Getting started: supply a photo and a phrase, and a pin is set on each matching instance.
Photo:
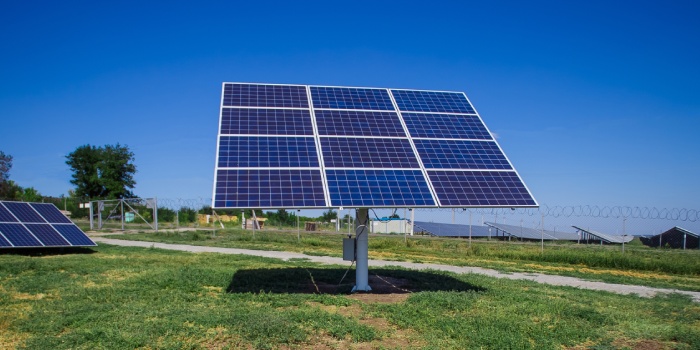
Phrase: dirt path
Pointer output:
(536, 277)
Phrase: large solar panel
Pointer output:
(301, 146)
(34, 225)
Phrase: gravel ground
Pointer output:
(536, 277)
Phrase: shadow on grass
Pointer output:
(46, 251)
(327, 281)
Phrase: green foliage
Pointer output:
(5, 166)
(102, 172)
(328, 215)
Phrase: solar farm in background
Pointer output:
(301, 146)
(38, 225)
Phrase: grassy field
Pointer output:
(638, 265)
(128, 298)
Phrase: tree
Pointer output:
(102, 172)
(8, 188)
(328, 215)
(5, 166)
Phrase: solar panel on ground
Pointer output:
(605, 237)
(368, 147)
(451, 230)
(533, 233)
(37, 225)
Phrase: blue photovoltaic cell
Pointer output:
(275, 188)
(446, 126)
(378, 188)
(50, 213)
(457, 154)
(254, 95)
(23, 212)
(351, 98)
(348, 152)
(47, 235)
(18, 235)
(4, 242)
(253, 121)
(256, 152)
(480, 188)
(358, 123)
(431, 101)
(5, 215)
(74, 235)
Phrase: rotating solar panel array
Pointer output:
(36, 225)
(301, 146)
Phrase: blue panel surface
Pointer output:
(5, 215)
(447, 126)
(4, 242)
(74, 235)
(358, 123)
(276, 188)
(50, 213)
(254, 95)
(18, 235)
(47, 235)
(253, 121)
(23, 212)
(480, 188)
(255, 151)
(351, 98)
(378, 188)
(455, 154)
(432, 101)
(450, 230)
(347, 152)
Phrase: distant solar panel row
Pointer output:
(364, 147)
(37, 225)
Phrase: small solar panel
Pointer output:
(480, 188)
(303, 146)
(259, 95)
(432, 101)
(458, 154)
(253, 121)
(358, 123)
(269, 188)
(378, 188)
(450, 126)
(351, 98)
(343, 152)
(50, 213)
(39, 225)
(254, 152)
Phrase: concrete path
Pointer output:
(536, 277)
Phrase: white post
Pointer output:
(542, 249)
(413, 216)
(92, 224)
(361, 250)
(470, 228)
(243, 225)
(121, 201)
(155, 212)
(298, 232)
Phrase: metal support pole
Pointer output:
(361, 250)
(92, 224)
(542, 232)
(155, 213)
(470, 228)
(413, 216)
(121, 202)
(298, 231)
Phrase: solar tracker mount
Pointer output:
(309, 146)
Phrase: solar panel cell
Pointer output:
(5, 215)
(475, 188)
(258, 95)
(253, 152)
(432, 101)
(74, 235)
(358, 123)
(4, 242)
(446, 126)
(18, 235)
(351, 98)
(274, 188)
(50, 213)
(367, 153)
(453, 154)
(378, 188)
(24, 212)
(253, 121)
(47, 235)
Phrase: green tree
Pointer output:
(102, 172)
(28, 194)
(328, 215)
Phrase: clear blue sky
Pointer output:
(594, 102)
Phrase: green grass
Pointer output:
(126, 298)
(638, 265)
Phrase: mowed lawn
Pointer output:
(128, 298)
